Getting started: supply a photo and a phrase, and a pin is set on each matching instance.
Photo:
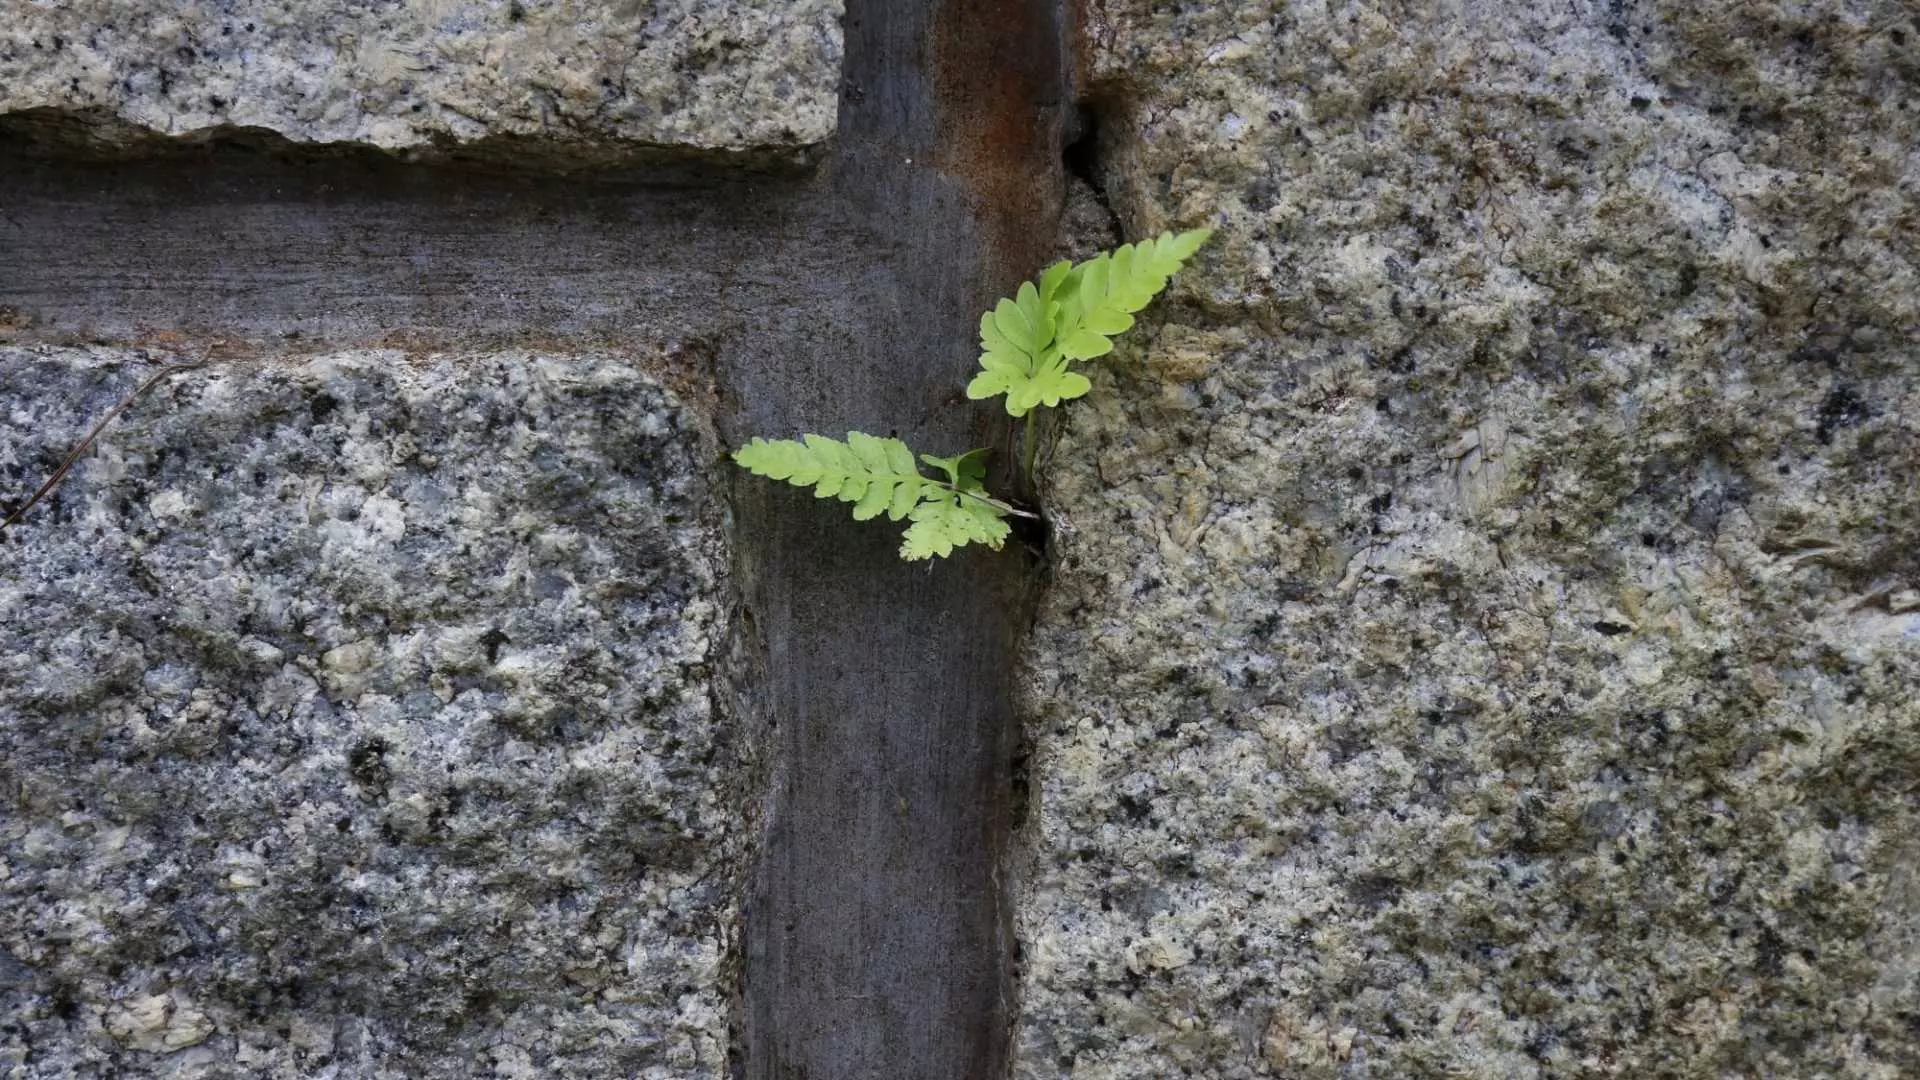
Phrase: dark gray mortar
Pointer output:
(1487, 600)
(354, 721)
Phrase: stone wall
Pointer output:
(731, 75)
(1482, 611)
(356, 722)
(1484, 634)
(356, 704)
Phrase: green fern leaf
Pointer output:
(879, 476)
(1044, 381)
(876, 475)
(1028, 344)
(967, 471)
(1026, 322)
(1099, 299)
(1018, 357)
(963, 515)
(950, 520)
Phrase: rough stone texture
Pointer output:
(355, 721)
(707, 74)
(1487, 611)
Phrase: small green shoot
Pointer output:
(1070, 314)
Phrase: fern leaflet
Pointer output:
(950, 520)
(1107, 289)
(876, 475)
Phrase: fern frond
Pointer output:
(963, 514)
(1045, 380)
(1099, 299)
(1018, 357)
(879, 475)
(1028, 344)
(950, 520)
(874, 474)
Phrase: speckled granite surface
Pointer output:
(354, 721)
(1487, 615)
(703, 74)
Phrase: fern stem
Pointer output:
(986, 500)
(1028, 448)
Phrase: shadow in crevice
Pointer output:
(84, 135)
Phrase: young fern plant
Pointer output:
(879, 475)
(1029, 344)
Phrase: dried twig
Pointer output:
(85, 444)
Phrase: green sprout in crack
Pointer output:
(1030, 345)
